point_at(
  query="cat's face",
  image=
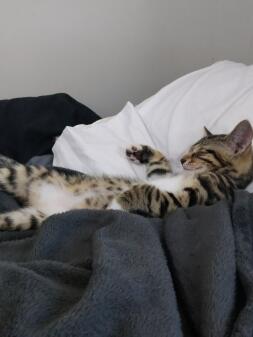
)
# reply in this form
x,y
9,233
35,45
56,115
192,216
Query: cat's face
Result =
x,y
215,151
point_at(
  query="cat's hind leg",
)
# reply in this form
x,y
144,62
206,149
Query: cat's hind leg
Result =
x,y
21,219
156,163
15,179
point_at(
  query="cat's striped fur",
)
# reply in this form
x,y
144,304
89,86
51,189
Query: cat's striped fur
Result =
x,y
216,166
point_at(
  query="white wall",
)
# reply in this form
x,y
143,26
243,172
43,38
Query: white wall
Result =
x,y
105,52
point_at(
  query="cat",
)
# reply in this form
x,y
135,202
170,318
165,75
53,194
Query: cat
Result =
x,y
214,168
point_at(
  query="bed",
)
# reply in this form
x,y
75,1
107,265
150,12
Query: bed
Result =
x,y
111,273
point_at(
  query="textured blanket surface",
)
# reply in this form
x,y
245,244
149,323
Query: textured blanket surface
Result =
x,y
114,274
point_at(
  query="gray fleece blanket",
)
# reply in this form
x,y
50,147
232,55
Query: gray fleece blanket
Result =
x,y
113,274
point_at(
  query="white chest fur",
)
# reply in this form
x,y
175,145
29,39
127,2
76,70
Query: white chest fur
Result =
x,y
172,183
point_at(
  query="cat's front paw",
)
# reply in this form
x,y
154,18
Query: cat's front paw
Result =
x,y
139,154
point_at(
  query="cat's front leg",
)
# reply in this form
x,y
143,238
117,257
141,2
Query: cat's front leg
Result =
x,y
115,205
156,163
144,198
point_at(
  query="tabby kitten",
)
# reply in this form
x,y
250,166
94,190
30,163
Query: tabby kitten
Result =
x,y
214,167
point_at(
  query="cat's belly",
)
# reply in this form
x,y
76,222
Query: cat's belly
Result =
x,y
51,199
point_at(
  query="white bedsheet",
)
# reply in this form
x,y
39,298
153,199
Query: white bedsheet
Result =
x,y
218,97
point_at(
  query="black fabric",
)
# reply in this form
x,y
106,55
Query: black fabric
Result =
x,y
29,125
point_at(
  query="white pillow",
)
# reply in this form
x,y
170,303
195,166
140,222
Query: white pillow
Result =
x,y
100,148
218,97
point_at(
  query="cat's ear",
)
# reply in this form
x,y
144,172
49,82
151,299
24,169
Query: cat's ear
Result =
x,y
207,132
241,137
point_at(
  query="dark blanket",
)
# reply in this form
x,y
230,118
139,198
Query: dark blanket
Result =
x,y
29,125
114,274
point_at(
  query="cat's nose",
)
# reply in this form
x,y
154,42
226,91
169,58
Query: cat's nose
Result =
x,y
183,160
